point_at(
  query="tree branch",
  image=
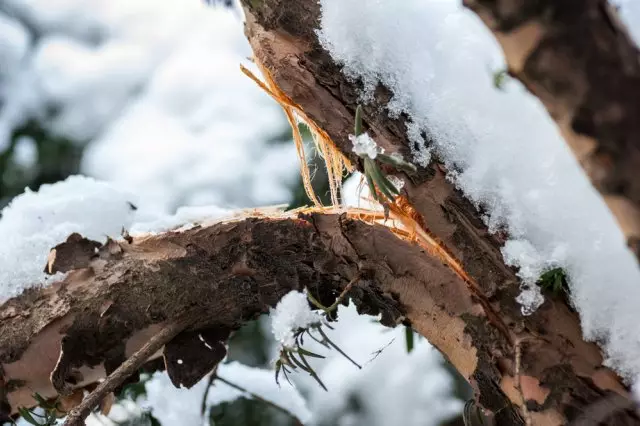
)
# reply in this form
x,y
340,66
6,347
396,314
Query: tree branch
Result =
x,y
69,335
579,60
561,373
227,273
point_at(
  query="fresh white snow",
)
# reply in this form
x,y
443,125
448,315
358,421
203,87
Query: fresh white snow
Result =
x,y
173,406
393,387
155,90
290,314
364,145
34,222
502,150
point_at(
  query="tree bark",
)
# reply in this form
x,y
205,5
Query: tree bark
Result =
x,y
68,335
561,373
579,60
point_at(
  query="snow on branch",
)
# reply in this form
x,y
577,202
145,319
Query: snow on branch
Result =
x,y
223,274
428,94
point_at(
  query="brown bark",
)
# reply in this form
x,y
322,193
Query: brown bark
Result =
x,y
579,60
561,373
68,335
59,338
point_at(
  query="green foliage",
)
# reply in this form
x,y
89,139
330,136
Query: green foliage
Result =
x,y
376,178
500,78
408,335
296,357
45,414
554,281
56,159
250,346
248,412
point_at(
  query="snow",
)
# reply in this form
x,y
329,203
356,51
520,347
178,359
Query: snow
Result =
x,y
152,87
502,150
184,218
173,406
629,11
356,193
290,314
364,145
197,96
25,152
34,222
148,80
393,387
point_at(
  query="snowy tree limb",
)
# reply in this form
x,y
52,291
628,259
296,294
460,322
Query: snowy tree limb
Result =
x,y
579,60
560,372
68,335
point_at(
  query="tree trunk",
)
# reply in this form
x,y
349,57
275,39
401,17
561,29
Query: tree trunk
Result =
x,y
578,58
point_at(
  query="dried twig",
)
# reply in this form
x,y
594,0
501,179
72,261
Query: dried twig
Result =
x,y
340,298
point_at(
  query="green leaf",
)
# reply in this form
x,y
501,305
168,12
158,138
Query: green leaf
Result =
x,y
358,126
554,280
26,415
408,334
500,78
397,163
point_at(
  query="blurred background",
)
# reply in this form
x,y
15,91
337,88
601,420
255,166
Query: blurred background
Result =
x,y
148,96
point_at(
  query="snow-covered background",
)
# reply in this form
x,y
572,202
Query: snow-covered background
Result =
x,y
148,97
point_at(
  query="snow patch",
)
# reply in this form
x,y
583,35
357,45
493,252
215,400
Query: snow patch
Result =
x,y
502,148
179,406
363,144
393,388
292,313
35,222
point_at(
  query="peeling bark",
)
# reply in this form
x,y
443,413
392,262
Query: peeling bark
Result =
x,y
579,60
68,335
561,373
227,274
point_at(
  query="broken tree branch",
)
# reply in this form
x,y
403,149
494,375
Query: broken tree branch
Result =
x,y
68,335
561,374
579,60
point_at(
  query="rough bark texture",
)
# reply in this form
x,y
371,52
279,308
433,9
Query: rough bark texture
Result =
x,y
561,373
578,59
56,339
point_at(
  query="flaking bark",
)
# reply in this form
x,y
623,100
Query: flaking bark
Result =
x,y
228,274
561,373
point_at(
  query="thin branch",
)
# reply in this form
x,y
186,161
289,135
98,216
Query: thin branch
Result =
x,y
340,298
78,415
203,405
